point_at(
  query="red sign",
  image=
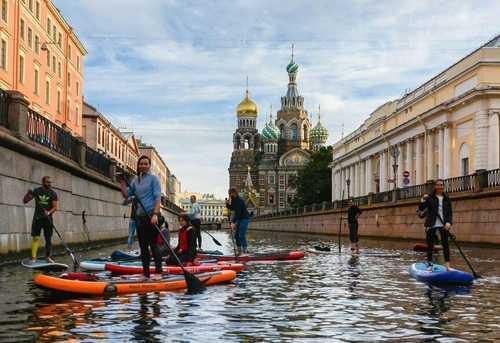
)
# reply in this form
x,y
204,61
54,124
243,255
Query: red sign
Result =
x,y
406,173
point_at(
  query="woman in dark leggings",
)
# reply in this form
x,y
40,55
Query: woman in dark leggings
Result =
x,y
146,189
438,219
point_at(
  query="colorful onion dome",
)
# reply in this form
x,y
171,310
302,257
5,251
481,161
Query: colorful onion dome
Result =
x,y
247,107
319,134
270,133
292,67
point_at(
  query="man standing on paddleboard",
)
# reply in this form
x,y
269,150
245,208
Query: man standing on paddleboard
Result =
x,y
352,218
45,205
439,219
239,221
195,217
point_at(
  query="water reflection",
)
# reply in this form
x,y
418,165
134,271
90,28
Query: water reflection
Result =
x,y
146,327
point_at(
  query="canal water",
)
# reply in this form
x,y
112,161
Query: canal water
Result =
x,y
321,298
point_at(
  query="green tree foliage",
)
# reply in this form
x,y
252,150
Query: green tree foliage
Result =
x,y
314,182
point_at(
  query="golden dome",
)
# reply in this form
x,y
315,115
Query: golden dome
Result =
x,y
247,107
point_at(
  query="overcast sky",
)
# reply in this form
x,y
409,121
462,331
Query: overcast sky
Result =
x,y
174,71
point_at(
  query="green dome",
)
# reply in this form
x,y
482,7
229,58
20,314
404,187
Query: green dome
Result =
x,y
319,134
292,67
270,133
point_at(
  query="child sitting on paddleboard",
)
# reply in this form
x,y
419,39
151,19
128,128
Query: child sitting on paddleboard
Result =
x,y
186,246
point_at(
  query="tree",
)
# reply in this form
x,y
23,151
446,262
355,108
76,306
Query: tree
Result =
x,y
314,182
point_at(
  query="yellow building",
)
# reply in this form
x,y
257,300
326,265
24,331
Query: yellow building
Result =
x,y
42,58
158,166
446,127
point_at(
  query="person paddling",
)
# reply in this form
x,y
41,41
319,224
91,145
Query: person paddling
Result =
x,y
146,187
46,204
186,245
438,219
352,218
195,217
239,220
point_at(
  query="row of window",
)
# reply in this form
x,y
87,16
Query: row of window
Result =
x,y
33,7
111,143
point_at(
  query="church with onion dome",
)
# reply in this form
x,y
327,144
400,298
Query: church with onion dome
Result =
x,y
269,161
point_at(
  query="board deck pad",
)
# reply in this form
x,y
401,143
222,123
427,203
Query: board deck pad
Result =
x,y
42,264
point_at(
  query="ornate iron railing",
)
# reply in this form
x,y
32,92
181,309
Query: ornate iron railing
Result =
x,y
411,192
96,161
45,132
4,108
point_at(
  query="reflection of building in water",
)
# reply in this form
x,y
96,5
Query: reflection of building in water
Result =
x,y
277,154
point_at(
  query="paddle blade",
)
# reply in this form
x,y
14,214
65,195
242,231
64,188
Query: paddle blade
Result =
x,y
216,241
194,285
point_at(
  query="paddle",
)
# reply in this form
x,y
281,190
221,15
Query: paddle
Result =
x,y
213,238
68,250
453,238
194,285
340,226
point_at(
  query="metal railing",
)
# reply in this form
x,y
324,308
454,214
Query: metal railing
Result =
x,y
45,132
96,161
460,184
494,178
4,108
382,197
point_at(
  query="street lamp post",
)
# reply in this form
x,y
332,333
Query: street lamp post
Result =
x,y
395,155
348,182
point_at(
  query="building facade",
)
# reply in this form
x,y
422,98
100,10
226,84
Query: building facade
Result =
x,y
158,166
272,159
447,127
101,135
41,57
174,188
212,209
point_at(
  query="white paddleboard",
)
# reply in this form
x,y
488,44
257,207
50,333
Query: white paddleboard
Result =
x,y
367,253
44,265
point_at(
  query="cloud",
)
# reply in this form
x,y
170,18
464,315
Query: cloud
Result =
x,y
175,71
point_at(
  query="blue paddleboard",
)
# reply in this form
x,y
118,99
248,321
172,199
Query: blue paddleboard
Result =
x,y
439,274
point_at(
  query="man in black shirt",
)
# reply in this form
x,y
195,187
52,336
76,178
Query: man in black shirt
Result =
x,y
352,218
239,221
45,205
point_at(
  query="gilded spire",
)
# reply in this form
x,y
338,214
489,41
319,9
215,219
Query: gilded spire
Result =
x,y
271,114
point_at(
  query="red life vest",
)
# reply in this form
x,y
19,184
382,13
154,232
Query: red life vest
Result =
x,y
184,239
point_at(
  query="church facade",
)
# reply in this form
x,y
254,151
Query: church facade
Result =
x,y
265,164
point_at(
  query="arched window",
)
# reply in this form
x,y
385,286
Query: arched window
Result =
x,y
282,131
305,133
237,142
293,132
247,143
464,159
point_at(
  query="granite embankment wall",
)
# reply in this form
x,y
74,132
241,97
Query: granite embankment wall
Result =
x,y
32,147
476,219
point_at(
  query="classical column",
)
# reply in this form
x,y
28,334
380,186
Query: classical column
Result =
x,y
446,152
369,175
357,167
401,166
362,181
409,160
493,142
418,162
481,139
440,138
430,156
353,180
383,177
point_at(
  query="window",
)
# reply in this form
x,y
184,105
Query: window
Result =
x,y
54,64
465,166
69,80
47,92
37,10
69,51
282,181
59,72
282,199
48,58
293,132
4,10
37,78
271,199
77,88
30,37
68,110
464,159
21,69
3,60
54,33
78,63
22,29
37,44
49,25
59,41
30,5
77,115
58,101
271,179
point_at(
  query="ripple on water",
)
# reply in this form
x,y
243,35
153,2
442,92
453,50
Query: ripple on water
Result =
x,y
323,297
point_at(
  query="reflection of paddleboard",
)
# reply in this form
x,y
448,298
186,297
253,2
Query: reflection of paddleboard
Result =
x,y
44,265
363,253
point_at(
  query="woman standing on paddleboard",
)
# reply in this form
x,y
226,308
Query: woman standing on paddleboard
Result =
x,y
146,188
438,219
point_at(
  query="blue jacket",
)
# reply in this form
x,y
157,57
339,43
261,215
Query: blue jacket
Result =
x,y
240,209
